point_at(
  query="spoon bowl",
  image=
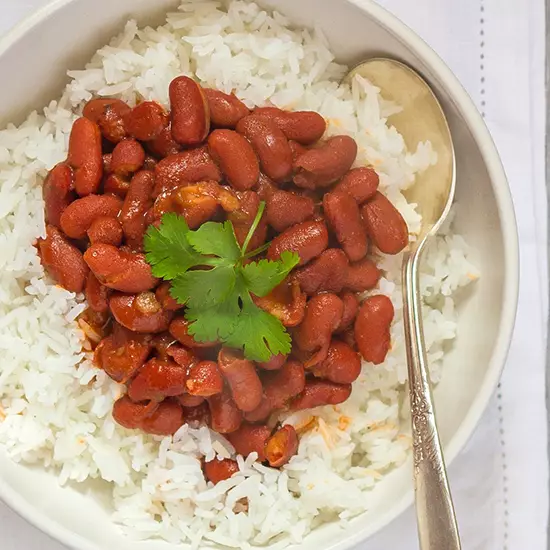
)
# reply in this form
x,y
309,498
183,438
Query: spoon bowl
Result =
x,y
421,118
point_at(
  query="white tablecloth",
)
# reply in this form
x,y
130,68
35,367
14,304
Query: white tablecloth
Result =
x,y
500,482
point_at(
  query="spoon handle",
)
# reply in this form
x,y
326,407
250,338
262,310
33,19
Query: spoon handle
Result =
x,y
437,527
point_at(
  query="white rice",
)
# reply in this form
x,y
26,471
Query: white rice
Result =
x,y
55,407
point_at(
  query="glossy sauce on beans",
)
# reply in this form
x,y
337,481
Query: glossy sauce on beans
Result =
x,y
211,158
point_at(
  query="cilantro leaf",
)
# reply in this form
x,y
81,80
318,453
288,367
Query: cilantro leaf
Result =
x,y
257,332
218,299
214,323
167,249
204,288
215,238
263,276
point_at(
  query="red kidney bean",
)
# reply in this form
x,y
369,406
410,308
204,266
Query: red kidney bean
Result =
x,y
281,446
385,225
297,150
236,158
58,192
105,230
342,364
261,413
372,328
243,218
275,363
285,302
270,144
97,295
351,307
225,109
180,355
250,438
205,379
85,156
186,167
326,164
307,239
137,203
130,313
157,380
131,415
115,185
122,335
164,145
360,183
190,111
285,209
63,260
188,401
119,269
146,121
326,273
128,157
318,393
362,275
80,214
121,355
344,218
109,115
225,415
304,127
179,329
165,298
166,420
322,318
279,388
220,470
242,378
125,311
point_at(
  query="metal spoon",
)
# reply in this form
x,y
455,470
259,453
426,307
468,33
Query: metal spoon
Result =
x,y
421,119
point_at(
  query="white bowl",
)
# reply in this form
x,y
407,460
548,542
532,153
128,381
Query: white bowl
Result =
x,y
34,58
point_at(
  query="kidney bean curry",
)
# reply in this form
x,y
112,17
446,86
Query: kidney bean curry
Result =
x,y
222,253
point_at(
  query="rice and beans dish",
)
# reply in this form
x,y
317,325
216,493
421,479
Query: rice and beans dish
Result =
x,y
206,313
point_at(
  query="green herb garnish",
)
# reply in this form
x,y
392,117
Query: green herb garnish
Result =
x,y
210,277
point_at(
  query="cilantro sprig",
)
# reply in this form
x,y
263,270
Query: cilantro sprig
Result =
x,y
215,279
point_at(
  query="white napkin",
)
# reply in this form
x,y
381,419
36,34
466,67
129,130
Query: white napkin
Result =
x,y
500,482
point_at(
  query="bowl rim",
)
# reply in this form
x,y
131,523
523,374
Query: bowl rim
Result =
x,y
475,123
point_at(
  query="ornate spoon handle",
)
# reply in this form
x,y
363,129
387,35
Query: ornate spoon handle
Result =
x,y
437,527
